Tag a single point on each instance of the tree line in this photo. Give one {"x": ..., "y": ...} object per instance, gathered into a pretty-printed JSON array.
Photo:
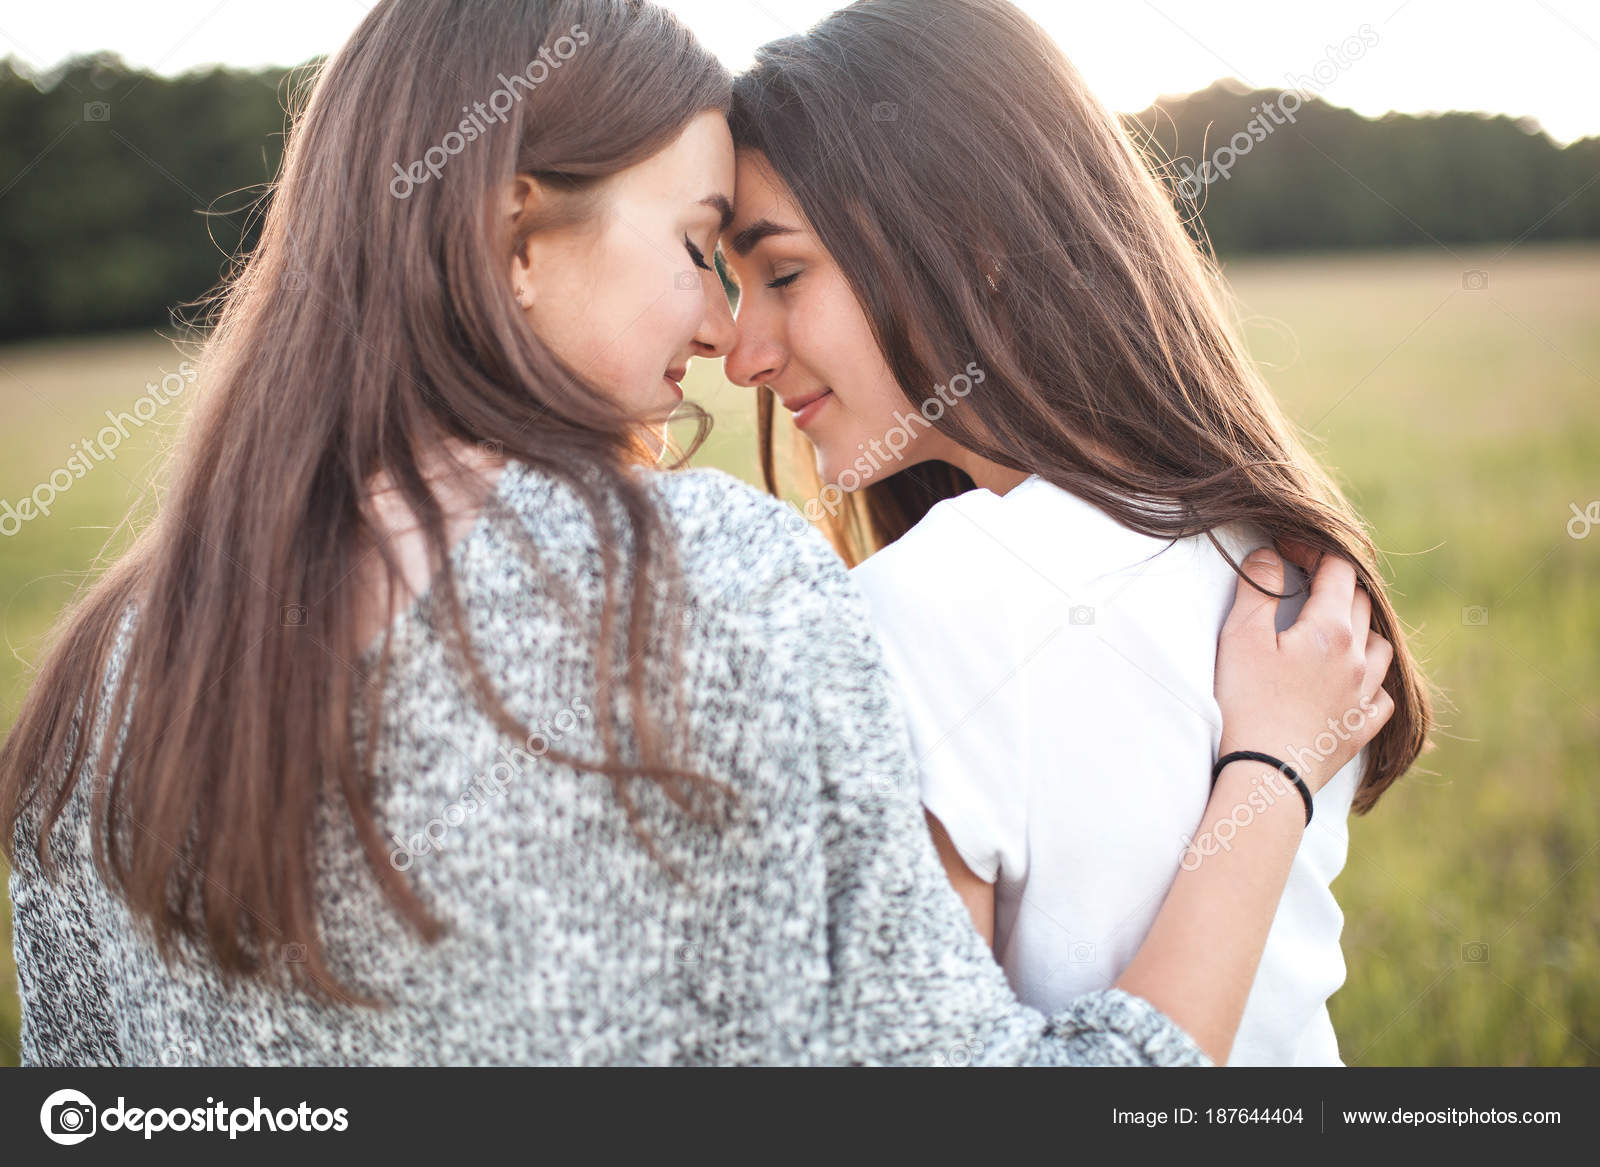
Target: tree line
[
  {"x": 1270, "y": 170},
  {"x": 125, "y": 195}
]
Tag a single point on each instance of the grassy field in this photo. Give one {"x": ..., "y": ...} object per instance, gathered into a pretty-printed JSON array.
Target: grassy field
[{"x": 1462, "y": 413}]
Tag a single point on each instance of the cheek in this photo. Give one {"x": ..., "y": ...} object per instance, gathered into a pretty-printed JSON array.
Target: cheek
[
  {"x": 834, "y": 341},
  {"x": 641, "y": 320}
]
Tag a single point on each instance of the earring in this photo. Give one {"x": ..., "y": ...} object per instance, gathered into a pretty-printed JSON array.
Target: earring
[{"x": 522, "y": 298}]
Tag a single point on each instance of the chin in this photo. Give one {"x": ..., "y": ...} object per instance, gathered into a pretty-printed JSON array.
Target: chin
[
  {"x": 827, "y": 468},
  {"x": 839, "y": 457},
  {"x": 653, "y": 412}
]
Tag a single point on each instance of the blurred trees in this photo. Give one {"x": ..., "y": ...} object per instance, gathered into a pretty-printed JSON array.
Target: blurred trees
[
  {"x": 124, "y": 194},
  {"x": 1320, "y": 177}
]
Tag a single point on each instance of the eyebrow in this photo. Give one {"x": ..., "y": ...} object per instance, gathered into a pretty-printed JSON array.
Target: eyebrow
[
  {"x": 721, "y": 204},
  {"x": 745, "y": 241}
]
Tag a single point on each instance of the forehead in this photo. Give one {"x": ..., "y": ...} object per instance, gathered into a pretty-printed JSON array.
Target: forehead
[
  {"x": 760, "y": 194},
  {"x": 698, "y": 162}
]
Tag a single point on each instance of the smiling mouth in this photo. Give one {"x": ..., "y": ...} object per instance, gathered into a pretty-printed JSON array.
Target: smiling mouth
[{"x": 806, "y": 408}]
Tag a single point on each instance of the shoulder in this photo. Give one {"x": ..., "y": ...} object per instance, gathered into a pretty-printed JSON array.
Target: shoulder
[
  {"x": 712, "y": 504},
  {"x": 949, "y": 602},
  {"x": 981, "y": 555},
  {"x": 706, "y": 508},
  {"x": 986, "y": 583},
  {"x": 738, "y": 542},
  {"x": 950, "y": 551},
  {"x": 738, "y": 549}
]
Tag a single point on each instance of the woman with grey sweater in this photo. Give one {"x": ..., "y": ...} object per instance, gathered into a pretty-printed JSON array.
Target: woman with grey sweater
[{"x": 427, "y": 724}]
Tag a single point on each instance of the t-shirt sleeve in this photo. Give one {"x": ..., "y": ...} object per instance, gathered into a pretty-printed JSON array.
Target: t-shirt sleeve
[{"x": 951, "y": 652}]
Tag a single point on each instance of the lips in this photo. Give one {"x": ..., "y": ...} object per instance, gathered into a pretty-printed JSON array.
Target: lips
[
  {"x": 674, "y": 378},
  {"x": 807, "y": 407}
]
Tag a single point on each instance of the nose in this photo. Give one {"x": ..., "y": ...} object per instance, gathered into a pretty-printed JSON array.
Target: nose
[
  {"x": 756, "y": 357},
  {"x": 717, "y": 332}
]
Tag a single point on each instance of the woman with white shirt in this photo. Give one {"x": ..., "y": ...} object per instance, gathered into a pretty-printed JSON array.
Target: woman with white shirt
[
  {"x": 1027, "y": 406},
  {"x": 1041, "y": 646}
]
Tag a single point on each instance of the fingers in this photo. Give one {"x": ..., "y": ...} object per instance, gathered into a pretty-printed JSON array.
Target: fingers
[
  {"x": 1375, "y": 700},
  {"x": 1333, "y": 594},
  {"x": 1379, "y": 710},
  {"x": 1379, "y": 656},
  {"x": 1360, "y": 618},
  {"x": 1253, "y": 612},
  {"x": 1302, "y": 555}
]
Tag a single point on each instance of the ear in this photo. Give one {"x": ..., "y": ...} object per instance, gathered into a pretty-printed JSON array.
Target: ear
[{"x": 521, "y": 203}]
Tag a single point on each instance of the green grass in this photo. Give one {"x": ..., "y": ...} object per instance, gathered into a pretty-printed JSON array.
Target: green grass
[{"x": 1464, "y": 422}]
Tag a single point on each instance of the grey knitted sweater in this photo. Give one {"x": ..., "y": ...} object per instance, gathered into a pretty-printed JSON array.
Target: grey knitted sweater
[{"x": 816, "y": 926}]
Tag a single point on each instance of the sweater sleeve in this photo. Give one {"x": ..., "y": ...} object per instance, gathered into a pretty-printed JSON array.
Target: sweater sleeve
[
  {"x": 66, "y": 1020},
  {"x": 912, "y": 981}
]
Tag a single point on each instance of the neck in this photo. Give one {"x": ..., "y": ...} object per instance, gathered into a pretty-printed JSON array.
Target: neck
[{"x": 987, "y": 475}]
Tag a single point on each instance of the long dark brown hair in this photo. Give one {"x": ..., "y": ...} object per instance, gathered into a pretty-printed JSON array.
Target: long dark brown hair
[
  {"x": 373, "y": 325},
  {"x": 985, "y": 207}
]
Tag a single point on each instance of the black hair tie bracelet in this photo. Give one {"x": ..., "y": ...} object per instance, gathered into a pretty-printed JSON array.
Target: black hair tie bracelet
[{"x": 1254, "y": 756}]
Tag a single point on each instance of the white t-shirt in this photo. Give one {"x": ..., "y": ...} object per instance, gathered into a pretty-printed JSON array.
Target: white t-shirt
[{"x": 1057, "y": 672}]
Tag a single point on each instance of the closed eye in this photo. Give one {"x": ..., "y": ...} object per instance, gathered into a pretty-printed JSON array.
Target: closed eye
[
  {"x": 698, "y": 256},
  {"x": 783, "y": 281}
]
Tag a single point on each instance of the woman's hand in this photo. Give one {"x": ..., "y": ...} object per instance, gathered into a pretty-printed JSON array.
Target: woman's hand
[{"x": 1293, "y": 692}]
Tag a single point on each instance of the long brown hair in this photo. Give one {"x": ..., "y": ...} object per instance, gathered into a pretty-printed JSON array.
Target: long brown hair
[
  {"x": 373, "y": 324},
  {"x": 985, "y": 207}
]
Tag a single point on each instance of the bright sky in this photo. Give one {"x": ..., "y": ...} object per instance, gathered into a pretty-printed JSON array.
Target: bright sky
[{"x": 1536, "y": 59}]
